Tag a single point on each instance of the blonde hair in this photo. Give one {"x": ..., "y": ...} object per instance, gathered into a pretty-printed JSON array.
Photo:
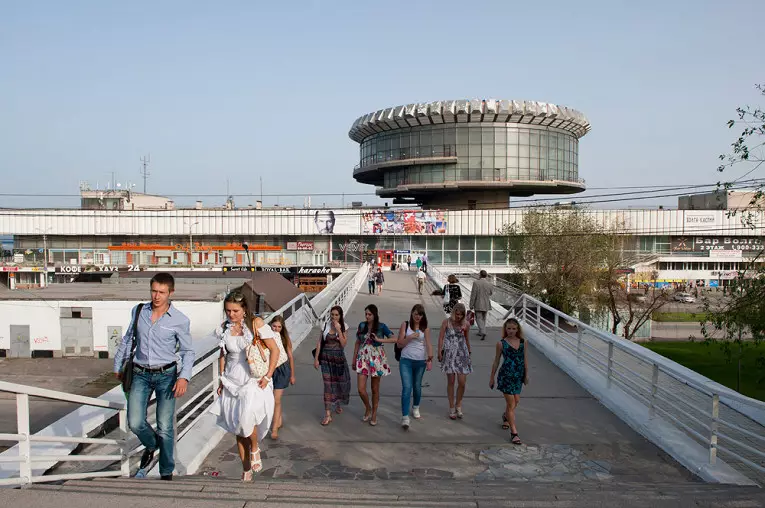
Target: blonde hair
[
  {"x": 518, "y": 334},
  {"x": 460, "y": 307}
]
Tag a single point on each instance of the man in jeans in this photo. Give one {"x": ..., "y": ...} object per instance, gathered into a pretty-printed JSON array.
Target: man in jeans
[
  {"x": 480, "y": 301},
  {"x": 162, "y": 329}
]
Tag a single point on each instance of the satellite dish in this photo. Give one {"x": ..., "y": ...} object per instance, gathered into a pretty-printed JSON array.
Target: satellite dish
[{"x": 119, "y": 184}]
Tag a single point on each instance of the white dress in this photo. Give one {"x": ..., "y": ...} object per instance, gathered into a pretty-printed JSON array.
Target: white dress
[{"x": 242, "y": 404}]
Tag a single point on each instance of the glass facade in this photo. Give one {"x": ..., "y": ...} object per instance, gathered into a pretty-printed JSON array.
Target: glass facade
[{"x": 478, "y": 152}]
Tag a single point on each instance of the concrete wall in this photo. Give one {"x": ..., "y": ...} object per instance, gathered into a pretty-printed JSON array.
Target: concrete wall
[{"x": 43, "y": 318}]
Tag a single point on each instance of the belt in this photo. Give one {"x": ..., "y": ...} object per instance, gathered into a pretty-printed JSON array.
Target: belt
[{"x": 155, "y": 369}]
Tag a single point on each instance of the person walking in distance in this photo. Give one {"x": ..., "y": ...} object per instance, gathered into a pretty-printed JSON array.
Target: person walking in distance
[
  {"x": 284, "y": 375},
  {"x": 454, "y": 355},
  {"x": 480, "y": 301},
  {"x": 419, "y": 263},
  {"x": 161, "y": 330},
  {"x": 416, "y": 357},
  {"x": 379, "y": 280},
  {"x": 420, "y": 280},
  {"x": 371, "y": 274},
  {"x": 513, "y": 374},
  {"x": 408, "y": 263}
]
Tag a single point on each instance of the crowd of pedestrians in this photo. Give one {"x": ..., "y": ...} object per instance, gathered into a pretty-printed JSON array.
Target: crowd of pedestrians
[{"x": 256, "y": 365}]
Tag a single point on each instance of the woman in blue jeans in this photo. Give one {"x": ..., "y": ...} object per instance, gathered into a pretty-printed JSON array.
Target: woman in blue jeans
[{"x": 416, "y": 358}]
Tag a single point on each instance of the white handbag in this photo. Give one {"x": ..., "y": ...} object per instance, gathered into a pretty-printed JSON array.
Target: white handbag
[
  {"x": 258, "y": 358},
  {"x": 446, "y": 294}
]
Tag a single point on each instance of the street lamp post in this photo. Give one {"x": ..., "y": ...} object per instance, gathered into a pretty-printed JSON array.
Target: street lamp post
[{"x": 191, "y": 242}]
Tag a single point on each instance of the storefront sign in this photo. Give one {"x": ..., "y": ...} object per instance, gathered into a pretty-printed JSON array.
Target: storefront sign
[
  {"x": 725, "y": 275},
  {"x": 715, "y": 243},
  {"x": 705, "y": 220},
  {"x": 306, "y": 246},
  {"x": 313, "y": 270},
  {"x": 238, "y": 268},
  {"x": 97, "y": 268},
  {"x": 9, "y": 269},
  {"x": 726, "y": 254},
  {"x": 354, "y": 246},
  {"x": 624, "y": 271}
]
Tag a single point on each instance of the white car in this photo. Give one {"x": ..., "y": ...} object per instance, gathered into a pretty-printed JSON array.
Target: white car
[{"x": 684, "y": 298}]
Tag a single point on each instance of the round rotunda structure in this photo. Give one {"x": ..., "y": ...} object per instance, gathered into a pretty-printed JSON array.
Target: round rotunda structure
[{"x": 468, "y": 154}]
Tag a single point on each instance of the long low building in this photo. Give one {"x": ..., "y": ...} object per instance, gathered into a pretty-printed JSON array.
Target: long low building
[{"x": 706, "y": 246}]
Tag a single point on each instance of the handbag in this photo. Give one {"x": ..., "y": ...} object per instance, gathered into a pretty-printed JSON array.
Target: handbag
[
  {"x": 446, "y": 294},
  {"x": 470, "y": 317},
  {"x": 127, "y": 367},
  {"x": 258, "y": 357}
]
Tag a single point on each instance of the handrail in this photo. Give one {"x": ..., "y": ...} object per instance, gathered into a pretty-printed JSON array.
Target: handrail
[{"x": 44, "y": 393}]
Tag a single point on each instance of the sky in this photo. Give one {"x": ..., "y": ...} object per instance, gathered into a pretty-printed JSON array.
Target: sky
[{"x": 222, "y": 94}]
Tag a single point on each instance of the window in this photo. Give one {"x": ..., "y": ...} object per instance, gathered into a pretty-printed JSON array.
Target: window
[
  {"x": 483, "y": 257},
  {"x": 467, "y": 257},
  {"x": 451, "y": 257},
  {"x": 483, "y": 243}
]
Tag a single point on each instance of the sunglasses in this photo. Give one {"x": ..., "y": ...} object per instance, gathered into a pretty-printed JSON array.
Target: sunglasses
[{"x": 235, "y": 296}]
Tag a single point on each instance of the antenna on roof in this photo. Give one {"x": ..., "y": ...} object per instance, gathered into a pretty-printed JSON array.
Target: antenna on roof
[{"x": 145, "y": 170}]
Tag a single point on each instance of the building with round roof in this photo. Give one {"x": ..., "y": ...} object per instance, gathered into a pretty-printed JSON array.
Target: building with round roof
[{"x": 470, "y": 153}]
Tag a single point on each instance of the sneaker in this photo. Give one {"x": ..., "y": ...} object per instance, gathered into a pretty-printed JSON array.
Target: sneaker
[
  {"x": 416, "y": 412},
  {"x": 452, "y": 414},
  {"x": 146, "y": 460},
  {"x": 167, "y": 477},
  {"x": 405, "y": 422}
]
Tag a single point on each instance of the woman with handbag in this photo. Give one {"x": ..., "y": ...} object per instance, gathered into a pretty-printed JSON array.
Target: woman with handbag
[
  {"x": 452, "y": 294},
  {"x": 329, "y": 355},
  {"x": 249, "y": 355},
  {"x": 284, "y": 375},
  {"x": 370, "y": 360},
  {"x": 416, "y": 356}
]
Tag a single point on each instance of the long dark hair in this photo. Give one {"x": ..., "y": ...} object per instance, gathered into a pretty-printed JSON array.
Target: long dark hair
[
  {"x": 284, "y": 333},
  {"x": 342, "y": 319},
  {"x": 419, "y": 309},
  {"x": 372, "y": 308},
  {"x": 238, "y": 297}
]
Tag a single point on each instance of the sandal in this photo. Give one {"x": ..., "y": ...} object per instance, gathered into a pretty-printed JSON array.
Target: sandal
[
  {"x": 326, "y": 421},
  {"x": 339, "y": 410},
  {"x": 256, "y": 464},
  {"x": 452, "y": 414},
  {"x": 505, "y": 423},
  {"x": 515, "y": 439},
  {"x": 373, "y": 422},
  {"x": 366, "y": 417},
  {"x": 247, "y": 476},
  {"x": 459, "y": 413}
]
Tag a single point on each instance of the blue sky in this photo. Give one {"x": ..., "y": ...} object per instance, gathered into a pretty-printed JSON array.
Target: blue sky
[{"x": 239, "y": 90}]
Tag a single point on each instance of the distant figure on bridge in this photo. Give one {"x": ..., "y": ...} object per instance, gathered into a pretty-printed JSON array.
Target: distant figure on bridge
[
  {"x": 454, "y": 355},
  {"x": 513, "y": 374},
  {"x": 161, "y": 329},
  {"x": 425, "y": 264},
  {"x": 245, "y": 405},
  {"x": 329, "y": 355},
  {"x": 480, "y": 301},
  {"x": 370, "y": 359},
  {"x": 452, "y": 293},
  {"x": 379, "y": 280},
  {"x": 409, "y": 262},
  {"x": 371, "y": 279},
  {"x": 419, "y": 262},
  {"x": 416, "y": 357},
  {"x": 420, "y": 280},
  {"x": 284, "y": 375}
]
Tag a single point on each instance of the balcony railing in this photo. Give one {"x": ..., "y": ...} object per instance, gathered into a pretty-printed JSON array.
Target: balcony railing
[{"x": 403, "y": 154}]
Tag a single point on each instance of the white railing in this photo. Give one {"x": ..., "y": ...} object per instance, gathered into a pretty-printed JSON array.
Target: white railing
[
  {"x": 495, "y": 317},
  {"x": 725, "y": 423},
  {"x": 345, "y": 298},
  {"x": 300, "y": 318},
  {"x": 25, "y": 438}
]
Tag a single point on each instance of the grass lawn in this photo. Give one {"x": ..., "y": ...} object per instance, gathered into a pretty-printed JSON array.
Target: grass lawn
[
  {"x": 710, "y": 361},
  {"x": 677, "y": 317}
]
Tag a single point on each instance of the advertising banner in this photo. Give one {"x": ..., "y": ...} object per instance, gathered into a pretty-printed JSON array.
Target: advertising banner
[
  {"x": 715, "y": 243},
  {"x": 403, "y": 222},
  {"x": 700, "y": 220}
]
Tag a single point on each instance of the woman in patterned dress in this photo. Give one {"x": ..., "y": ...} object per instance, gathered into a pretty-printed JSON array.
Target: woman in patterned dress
[
  {"x": 329, "y": 355},
  {"x": 454, "y": 355},
  {"x": 513, "y": 374},
  {"x": 370, "y": 360}
]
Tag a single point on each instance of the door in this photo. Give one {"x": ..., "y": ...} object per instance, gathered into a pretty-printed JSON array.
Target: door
[
  {"x": 20, "y": 341},
  {"x": 114, "y": 339},
  {"x": 77, "y": 336},
  {"x": 385, "y": 257}
]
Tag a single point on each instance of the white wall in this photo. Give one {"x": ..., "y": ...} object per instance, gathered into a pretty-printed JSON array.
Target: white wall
[{"x": 45, "y": 328}]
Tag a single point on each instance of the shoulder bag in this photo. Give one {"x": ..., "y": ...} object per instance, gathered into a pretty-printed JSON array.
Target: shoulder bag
[
  {"x": 258, "y": 357},
  {"x": 127, "y": 367}
]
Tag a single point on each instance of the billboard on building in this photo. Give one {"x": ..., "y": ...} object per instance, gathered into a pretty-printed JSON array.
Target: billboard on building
[
  {"x": 715, "y": 243},
  {"x": 403, "y": 222}
]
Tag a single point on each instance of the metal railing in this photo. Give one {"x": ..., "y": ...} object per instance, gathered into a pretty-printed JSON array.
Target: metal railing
[
  {"x": 726, "y": 423},
  {"x": 300, "y": 318},
  {"x": 25, "y": 438}
]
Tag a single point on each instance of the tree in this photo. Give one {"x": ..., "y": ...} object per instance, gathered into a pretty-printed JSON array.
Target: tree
[
  {"x": 738, "y": 322},
  {"x": 562, "y": 252}
]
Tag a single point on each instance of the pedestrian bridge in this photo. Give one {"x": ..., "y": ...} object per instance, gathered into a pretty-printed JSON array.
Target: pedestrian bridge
[{"x": 597, "y": 409}]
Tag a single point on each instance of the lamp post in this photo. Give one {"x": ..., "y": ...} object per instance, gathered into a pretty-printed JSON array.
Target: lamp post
[
  {"x": 45, "y": 245},
  {"x": 191, "y": 241}
]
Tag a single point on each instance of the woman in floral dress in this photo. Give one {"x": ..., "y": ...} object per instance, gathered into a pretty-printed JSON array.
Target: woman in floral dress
[
  {"x": 329, "y": 356},
  {"x": 513, "y": 374},
  {"x": 370, "y": 360},
  {"x": 454, "y": 355}
]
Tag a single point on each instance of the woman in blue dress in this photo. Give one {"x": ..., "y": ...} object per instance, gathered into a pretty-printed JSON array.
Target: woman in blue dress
[{"x": 513, "y": 374}]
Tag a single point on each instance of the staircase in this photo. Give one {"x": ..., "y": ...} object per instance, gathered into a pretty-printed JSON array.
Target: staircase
[{"x": 199, "y": 491}]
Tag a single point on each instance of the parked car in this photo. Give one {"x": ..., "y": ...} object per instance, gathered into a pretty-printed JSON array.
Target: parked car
[{"x": 684, "y": 298}]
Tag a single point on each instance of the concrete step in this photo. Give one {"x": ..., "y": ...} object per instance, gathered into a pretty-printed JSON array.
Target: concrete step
[{"x": 192, "y": 491}]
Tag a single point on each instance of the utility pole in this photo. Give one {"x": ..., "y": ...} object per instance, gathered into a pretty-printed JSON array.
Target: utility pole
[
  {"x": 145, "y": 170},
  {"x": 191, "y": 242},
  {"x": 261, "y": 190}
]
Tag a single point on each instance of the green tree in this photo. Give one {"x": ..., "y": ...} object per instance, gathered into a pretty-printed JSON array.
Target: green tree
[
  {"x": 738, "y": 322},
  {"x": 562, "y": 252}
]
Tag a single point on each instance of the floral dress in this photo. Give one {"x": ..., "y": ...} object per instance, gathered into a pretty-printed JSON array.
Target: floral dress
[
  {"x": 456, "y": 358},
  {"x": 371, "y": 359},
  {"x": 513, "y": 369}
]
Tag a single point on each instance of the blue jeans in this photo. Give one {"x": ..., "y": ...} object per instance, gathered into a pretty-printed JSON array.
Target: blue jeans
[
  {"x": 411, "y": 380},
  {"x": 371, "y": 285},
  {"x": 144, "y": 383}
]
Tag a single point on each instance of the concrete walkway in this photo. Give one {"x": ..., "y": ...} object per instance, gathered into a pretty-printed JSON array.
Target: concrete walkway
[{"x": 568, "y": 435}]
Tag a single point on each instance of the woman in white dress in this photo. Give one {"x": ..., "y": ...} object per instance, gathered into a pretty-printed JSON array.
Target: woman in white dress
[{"x": 245, "y": 405}]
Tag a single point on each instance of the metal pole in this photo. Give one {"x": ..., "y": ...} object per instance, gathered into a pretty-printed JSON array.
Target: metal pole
[
  {"x": 25, "y": 446},
  {"x": 610, "y": 362},
  {"x": 713, "y": 429},
  {"x": 578, "y": 344},
  {"x": 555, "y": 331},
  {"x": 191, "y": 248},
  {"x": 654, "y": 388},
  {"x": 125, "y": 462}
]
